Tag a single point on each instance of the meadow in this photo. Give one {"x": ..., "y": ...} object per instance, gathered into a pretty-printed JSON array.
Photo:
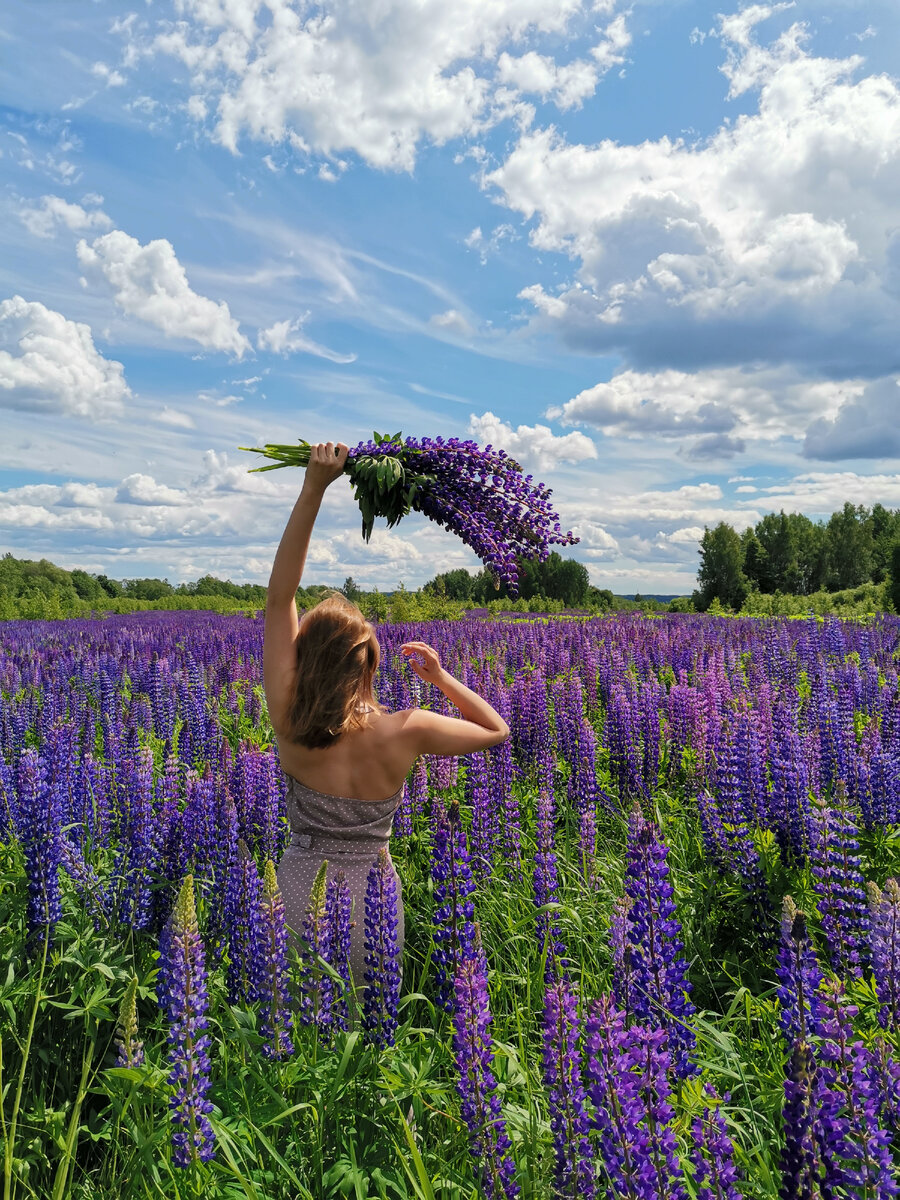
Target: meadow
[{"x": 652, "y": 941}]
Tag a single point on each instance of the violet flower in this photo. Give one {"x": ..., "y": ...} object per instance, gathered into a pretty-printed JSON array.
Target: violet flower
[
  {"x": 569, "y": 1119},
  {"x": 473, "y": 1055},
  {"x": 382, "y": 974},
  {"x": 181, "y": 990}
]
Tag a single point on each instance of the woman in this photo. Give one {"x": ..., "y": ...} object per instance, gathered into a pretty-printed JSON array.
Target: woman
[{"x": 345, "y": 756}]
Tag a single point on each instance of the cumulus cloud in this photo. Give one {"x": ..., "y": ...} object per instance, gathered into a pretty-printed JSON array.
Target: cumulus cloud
[
  {"x": 143, "y": 489},
  {"x": 774, "y": 240},
  {"x": 44, "y": 218},
  {"x": 377, "y": 82},
  {"x": 867, "y": 426},
  {"x": 50, "y": 364},
  {"x": 820, "y": 493},
  {"x": 534, "y": 442},
  {"x": 287, "y": 337},
  {"x": 724, "y": 408},
  {"x": 150, "y": 283}
]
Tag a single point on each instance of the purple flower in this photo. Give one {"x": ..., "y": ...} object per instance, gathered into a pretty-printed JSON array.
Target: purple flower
[
  {"x": 884, "y": 940},
  {"x": 453, "y": 928},
  {"x": 546, "y": 880},
  {"x": 181, "y": 990},
  {"x": 569, "y": 1119},
  {"x": 315, "y": 998},
  {"x": 713, "y": 1152},
  {"x": 627, "y": 1072},
  {"x": 39, "y": 823},
  {"x": 489, "y": 1144},
  {"x": 855, "y": 1147},
  {"x": 336, "y": 949},
  {"x": 659, "y": 984},
  {"x": 382, "y": 974},
  {"x": 242, "y": 916},
  {"x": 271, "y": 970},
  {"x": 839, "y": 884},
  {"x": 799, "y": 977}
]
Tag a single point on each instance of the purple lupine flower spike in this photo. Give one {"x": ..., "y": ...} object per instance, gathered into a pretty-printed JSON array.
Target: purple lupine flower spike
[
  {"x": 181, "y": 991},
  {"x": 242, "y": 916},
  {"x": 476, "y": 1083},
  {"x": 453, "y": 928},
  {"x": 271, "y": 970},
  {"x": 39, "y": 822},
  {"x": 569, "y": 1120},
  {"x": 855, "y": 1147},
  {"x": 713, "y": 1152},
  {"x": 799, "y": 977},
  {"x": 382, "y": 974},
  {"x": 839, "y": 884},
  {"x": 627, "y": 1071},
  {"x": 336, "y": 949},
  {"x": 884, "y": 940},
  {"x": 546, "y": 889},
  {"x": 660, "y": 985},
  {"x": 801, "y": 1162}
]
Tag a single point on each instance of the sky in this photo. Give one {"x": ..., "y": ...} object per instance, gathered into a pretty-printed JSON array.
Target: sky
[{"x": 651, "y": 250}]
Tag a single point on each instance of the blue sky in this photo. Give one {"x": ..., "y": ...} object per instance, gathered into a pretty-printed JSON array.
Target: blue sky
[{"x": 652, "y": 250}]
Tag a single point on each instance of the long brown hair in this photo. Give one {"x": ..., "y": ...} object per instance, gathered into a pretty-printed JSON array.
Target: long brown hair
[{"x": 337, "y": 657}]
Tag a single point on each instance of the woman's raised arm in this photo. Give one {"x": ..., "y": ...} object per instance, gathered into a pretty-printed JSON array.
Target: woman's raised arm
[
  {"x": 326, "y": 462},
  {"x": 282, "y": 625},
  {"x": 433, "y": 733}
]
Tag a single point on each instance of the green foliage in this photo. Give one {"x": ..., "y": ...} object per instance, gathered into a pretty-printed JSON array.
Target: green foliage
[
  {"x": 894, "y": 577},
  {"x": 557, "y": 578},
  {"x": 721, "y": 576},
  {"x": 787, "y": 554}
]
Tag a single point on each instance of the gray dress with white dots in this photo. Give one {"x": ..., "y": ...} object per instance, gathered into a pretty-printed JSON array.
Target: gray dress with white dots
[{"x": 347, "y": 832}]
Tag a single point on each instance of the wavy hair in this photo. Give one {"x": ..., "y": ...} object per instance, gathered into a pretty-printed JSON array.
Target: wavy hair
[{"x": 337, "y": 657}]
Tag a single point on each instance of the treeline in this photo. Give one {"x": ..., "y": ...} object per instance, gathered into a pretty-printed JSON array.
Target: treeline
[
  {"x": 41, "y": 590},
  {"x": 557, "y": 578},
  {"x": 789, "y": 554}
]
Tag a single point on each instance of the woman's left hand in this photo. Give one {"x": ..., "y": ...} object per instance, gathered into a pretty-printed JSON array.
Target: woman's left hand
[{"x": 326, "y": 462}]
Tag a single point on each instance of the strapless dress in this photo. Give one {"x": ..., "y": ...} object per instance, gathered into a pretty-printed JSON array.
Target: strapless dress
[{"x": 349, "y": 833}]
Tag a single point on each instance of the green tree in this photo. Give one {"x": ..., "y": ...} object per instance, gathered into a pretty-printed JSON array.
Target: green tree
[
  {"x": 894, "y": 577},
  {"x": 350, "y": 590},
  {"x": 721, "y": 575},
  {"x": 147, "y": 589},
  {"x": 848, "y": 537},
  {"x": 885, "y": 534}
]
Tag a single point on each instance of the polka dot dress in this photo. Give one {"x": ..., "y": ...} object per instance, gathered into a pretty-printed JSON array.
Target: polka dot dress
[{"x": 348, "y": 833}]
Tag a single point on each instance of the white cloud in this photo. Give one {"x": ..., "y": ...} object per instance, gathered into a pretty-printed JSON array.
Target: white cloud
[
  {"x": 143, "y": 489},
  {"x": 453, "y": 322},
  {"x": 50, "y": 364},
  {"x": 821, "y": 493},
  {"x": 349, "y": 77},
  {"x": 43, "y": 219},
  {"x": 723, "y": 407},
  {"x": 757, "y": 244},
  {"x": 150, "y": 283},
  {"x": 286, "y": 337},
  {"x": 172, "y": 416},
  {"x": 536, "y": 442}
]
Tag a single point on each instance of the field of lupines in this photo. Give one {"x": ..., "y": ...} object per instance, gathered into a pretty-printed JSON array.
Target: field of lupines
[{"x": 652, "y": 941}]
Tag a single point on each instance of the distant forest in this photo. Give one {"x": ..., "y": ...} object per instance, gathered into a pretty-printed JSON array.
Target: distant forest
[
  {"x": 788, "y": 554},
  {"x": 40, "y": 590}
]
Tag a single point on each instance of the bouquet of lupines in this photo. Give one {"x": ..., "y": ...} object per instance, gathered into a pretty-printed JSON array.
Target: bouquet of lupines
[{"x": 479, "y": 494}]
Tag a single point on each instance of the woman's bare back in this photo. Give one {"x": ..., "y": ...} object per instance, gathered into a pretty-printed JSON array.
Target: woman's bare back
[{"x": 367, "y": 763}]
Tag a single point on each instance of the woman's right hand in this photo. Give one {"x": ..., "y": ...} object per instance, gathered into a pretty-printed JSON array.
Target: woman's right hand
[{"x": 424, "y": 660}]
